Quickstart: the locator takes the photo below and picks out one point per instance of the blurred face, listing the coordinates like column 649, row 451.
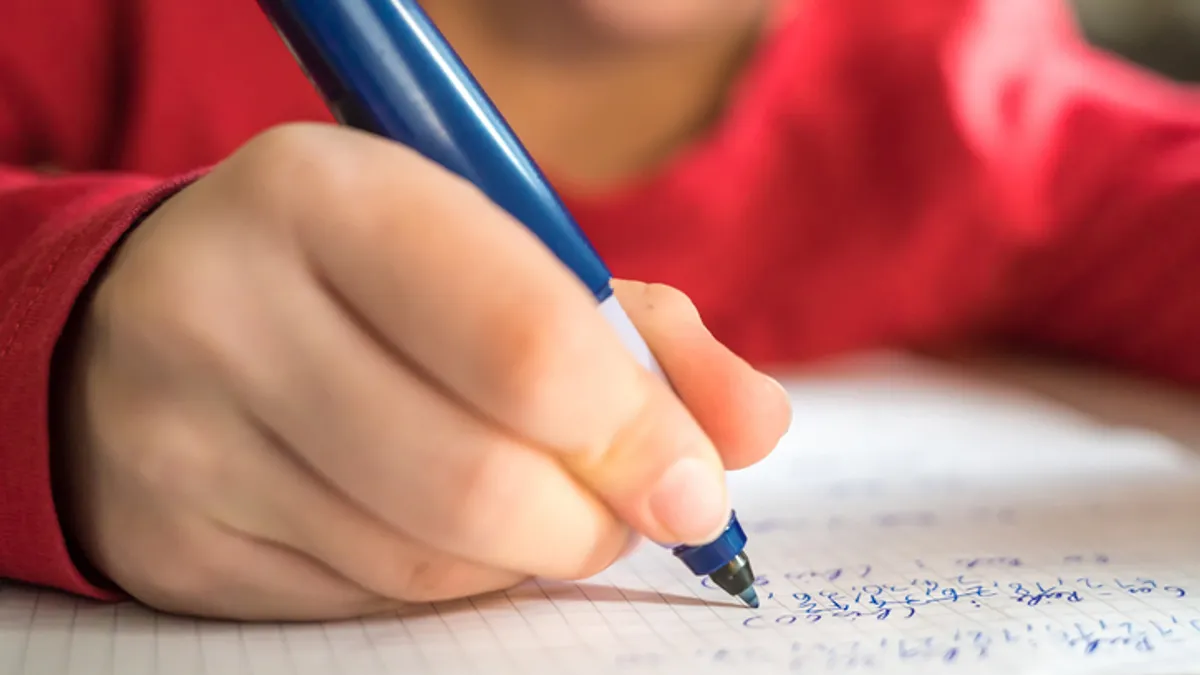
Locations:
column 665, row 19
column 601, row 90
column 531, row 22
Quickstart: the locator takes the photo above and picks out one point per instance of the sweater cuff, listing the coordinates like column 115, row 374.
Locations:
column 42, row 283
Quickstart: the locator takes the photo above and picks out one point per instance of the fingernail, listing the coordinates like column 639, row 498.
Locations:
column 689, row 501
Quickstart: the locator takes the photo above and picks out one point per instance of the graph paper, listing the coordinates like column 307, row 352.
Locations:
column 903, row 526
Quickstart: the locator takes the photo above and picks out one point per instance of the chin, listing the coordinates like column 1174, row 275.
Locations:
column 658, row 19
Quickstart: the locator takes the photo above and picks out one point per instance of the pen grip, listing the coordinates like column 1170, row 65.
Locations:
column 382, row 66
column 615, row 314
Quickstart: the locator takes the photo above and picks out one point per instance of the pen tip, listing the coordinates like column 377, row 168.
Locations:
column 750, row 597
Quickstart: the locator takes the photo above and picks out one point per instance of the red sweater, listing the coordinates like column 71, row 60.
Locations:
column 888, row 172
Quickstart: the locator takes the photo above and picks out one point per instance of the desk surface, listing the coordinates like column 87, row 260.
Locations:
column 917, row 518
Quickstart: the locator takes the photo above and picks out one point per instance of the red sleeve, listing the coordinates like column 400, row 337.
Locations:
column 56, row 232
column 1096, row 165
column 57, row 83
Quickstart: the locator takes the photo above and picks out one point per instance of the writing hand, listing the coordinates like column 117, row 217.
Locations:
column 330, row 377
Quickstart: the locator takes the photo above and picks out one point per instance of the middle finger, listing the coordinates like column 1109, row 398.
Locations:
column 407, row 453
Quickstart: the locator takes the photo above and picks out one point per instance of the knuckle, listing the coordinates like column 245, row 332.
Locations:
column 422, row 580
column 592, row 565
column 532, row 355
column 611, row 542
column 397, row 571
column 301, row 176
column 288, row 170
column 286, row 148
column 491, row 490
column 439, row 577
column 281, row 166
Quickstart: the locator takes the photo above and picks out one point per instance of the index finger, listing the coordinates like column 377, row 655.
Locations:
column 454, row 285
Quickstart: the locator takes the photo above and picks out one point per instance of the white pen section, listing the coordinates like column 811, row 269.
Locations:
column 613, row 311
column 630, row 337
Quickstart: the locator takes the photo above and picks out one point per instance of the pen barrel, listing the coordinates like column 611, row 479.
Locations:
column 382, row 66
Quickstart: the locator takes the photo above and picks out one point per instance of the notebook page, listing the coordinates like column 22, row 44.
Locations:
column 907, row 524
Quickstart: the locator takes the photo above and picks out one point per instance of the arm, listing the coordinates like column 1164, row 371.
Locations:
column 1096, row 164
column 58, row 85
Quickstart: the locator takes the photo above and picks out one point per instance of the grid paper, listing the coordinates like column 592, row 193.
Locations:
column 898, row 529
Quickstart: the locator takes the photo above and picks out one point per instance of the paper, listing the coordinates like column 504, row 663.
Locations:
column 905, row 525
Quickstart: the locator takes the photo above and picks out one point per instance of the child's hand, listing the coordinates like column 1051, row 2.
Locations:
column 331, row 377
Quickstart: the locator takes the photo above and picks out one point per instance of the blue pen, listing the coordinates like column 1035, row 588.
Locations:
column 383, row 67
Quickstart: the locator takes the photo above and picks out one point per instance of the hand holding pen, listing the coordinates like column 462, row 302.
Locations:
column 382, row 66
column 331, row 377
